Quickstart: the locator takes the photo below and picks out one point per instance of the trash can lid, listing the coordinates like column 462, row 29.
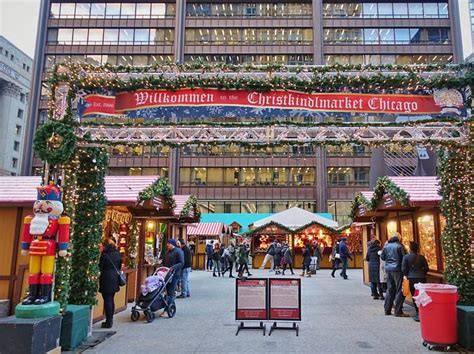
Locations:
column 437, row 288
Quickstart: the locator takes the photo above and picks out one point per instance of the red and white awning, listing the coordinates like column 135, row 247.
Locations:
column 209, row 229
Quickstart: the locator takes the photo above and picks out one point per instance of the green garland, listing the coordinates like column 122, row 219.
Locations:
column 359, row 200
column 89, row 216
column 132, row 251
column 161, row 188
column 385, row 185
column 457, row 188
column 191, row 205
column 55, row 142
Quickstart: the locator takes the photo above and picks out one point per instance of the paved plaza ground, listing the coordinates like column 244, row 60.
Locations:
column 338, row 316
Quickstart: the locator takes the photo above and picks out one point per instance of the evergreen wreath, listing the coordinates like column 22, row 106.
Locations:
column 55, row 142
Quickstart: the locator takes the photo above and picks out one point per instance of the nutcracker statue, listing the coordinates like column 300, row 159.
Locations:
column 43, row 233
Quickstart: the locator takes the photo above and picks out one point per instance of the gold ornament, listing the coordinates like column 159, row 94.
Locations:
column 55, row 141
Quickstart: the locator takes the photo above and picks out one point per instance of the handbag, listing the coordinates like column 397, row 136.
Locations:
column 122, row 279
column 406, row 287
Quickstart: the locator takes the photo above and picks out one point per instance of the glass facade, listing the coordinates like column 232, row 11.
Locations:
column 386, row 10
column 247, row 176
column 378, row 59
column 295, row 9
column 112, row 10
column 348, row 176
column 382, row 36
column 290, row 59
column 136, row 60
column 340, row 210
column 235, row 151
column 254, row 206
column 240, row 36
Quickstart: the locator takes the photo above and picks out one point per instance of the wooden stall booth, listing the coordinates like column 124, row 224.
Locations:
column 297, row 227
column 409, row 208
column 202, row 233
column 17, row 195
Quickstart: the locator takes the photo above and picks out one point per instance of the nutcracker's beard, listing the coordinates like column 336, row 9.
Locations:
column 39, row 224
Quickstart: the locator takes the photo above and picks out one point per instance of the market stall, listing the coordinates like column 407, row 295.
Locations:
column 407, row 207
column 133, row 231
column 297, row 227
column 200, row 234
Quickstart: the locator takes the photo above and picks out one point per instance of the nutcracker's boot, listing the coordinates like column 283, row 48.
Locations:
column 33, row 294
column 45, row 294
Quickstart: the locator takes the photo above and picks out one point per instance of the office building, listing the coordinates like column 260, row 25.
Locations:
column 15, row 77
column 233, row 179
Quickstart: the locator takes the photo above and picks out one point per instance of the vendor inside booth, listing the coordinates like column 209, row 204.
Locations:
column 263, row 237
column 311, row 234
column 409, row 208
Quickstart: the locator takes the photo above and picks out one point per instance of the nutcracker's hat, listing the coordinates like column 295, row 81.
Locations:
column 49, row 192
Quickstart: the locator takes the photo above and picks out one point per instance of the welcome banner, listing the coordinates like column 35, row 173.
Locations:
column 213, row 102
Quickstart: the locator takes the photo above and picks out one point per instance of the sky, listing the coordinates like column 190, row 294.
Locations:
column 18, row 23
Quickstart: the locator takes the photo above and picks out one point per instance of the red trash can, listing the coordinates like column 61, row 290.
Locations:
column 437, row 307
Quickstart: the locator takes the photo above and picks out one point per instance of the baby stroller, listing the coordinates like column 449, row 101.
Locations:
column 155, row 300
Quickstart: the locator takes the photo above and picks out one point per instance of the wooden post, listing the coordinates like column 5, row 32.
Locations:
column 141, row 255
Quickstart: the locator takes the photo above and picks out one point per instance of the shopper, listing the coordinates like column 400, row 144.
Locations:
column 243, row 260
column 185, row 271
column 216, row 256
column 230, row 251
column 110, row 264
column 287, row 259
column 317, row 253
column 345, row 256
column 392, row 254
column 306, row 261
column 414, row 267
column 335, row 258
column 269, row 256
column 222, row 258
column 209, row 252
column 277, row 258
column 373, row 260
column 174, row 259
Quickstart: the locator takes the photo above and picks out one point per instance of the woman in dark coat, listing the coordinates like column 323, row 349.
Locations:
column 374, row 269
column 287, row 259
column 110, row 262
column 306, row 261
column 277, row 258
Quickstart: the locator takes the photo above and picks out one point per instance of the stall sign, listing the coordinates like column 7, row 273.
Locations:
column 362, row 210
column 251, row 299
column 388, row 201
column 285, row 299
column 117, row 216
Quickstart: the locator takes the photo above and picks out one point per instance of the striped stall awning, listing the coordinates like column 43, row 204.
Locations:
column 210, row 229
column 180, row 201
column 367, row 195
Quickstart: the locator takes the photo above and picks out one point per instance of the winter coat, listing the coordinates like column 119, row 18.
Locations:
column 374, row 262
column 187, row 257
column 306, row 257
column 216, row 255
column 344, row 251
column 109, row 279
column 414, row 266
column 271, row 250
column 175, row 259
column 277, row 255
column 287, row 258
column 243, row 254
column 392, row 254
column 209, row 250
column 383, row 273
column 317, row 252
column 232, row 251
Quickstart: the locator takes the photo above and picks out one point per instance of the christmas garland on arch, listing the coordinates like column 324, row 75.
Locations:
column 191, row 205
column 161, row 188
column 385, row 185
column 55, row 142
column 358, row 200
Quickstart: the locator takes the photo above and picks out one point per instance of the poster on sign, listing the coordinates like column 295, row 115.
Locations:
column 285, row 299
column 251, row 299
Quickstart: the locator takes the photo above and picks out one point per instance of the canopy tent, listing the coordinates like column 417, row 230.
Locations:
column 207, row 229
column 295, row 218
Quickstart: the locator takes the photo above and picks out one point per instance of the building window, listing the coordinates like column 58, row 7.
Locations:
column 14, row 162
column 20, row 114
column 348, row 176
column 22, row 97
column 18, row 129
column 340, row 210
column 16, row 145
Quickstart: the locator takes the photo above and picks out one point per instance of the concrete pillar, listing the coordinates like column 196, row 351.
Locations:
column 378, row 168
column 180, row 23
column 318, row 32
column 321, row 180
column 456, row 33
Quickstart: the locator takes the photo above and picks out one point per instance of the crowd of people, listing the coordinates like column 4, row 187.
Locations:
column 221, row 259
column 389, row 267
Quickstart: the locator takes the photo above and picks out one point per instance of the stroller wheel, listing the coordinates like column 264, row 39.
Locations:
column 135, row 315
column 171, row 310
column 149, row 316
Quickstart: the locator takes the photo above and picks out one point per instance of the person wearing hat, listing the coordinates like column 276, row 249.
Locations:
column 186, row 270
column 174, row 258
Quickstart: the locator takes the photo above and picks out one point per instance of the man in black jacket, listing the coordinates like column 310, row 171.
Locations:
column 185, row 271
column 392, row 254
column 174, row 258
